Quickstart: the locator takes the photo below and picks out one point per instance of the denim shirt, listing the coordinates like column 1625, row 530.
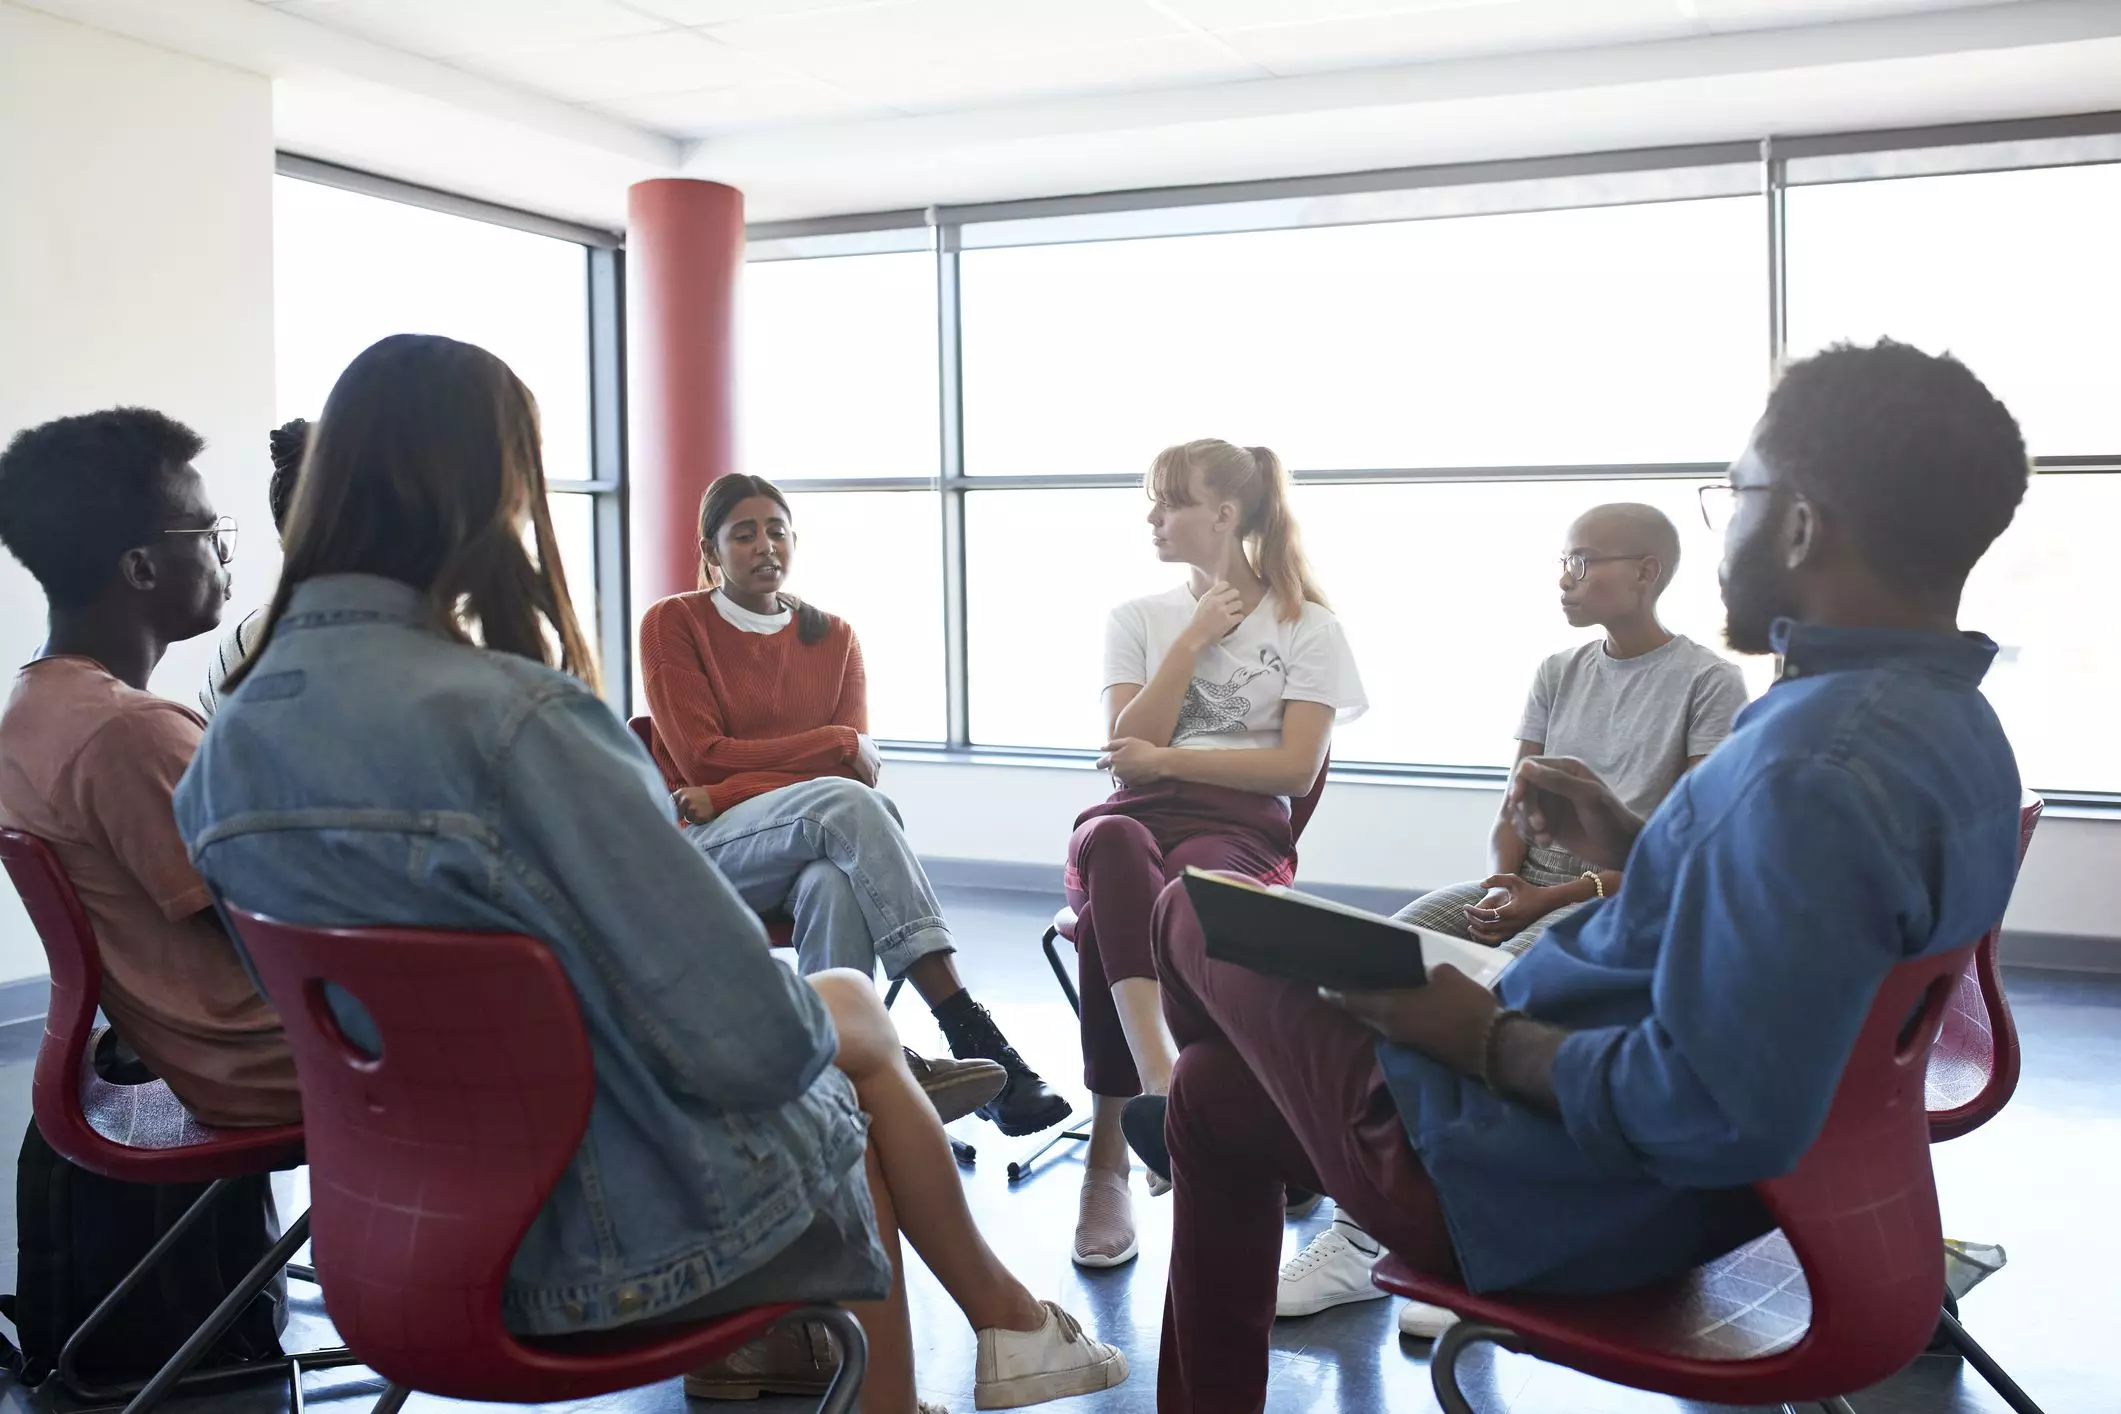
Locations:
column 371, row 771
column 1864, row 811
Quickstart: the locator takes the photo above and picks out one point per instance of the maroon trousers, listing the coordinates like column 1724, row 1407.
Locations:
column 1123, row 853
column 1273, row 1088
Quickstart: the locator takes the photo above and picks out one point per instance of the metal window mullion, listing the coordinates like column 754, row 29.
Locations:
column 1774, row 182
column 950, row 408
column 607, row 461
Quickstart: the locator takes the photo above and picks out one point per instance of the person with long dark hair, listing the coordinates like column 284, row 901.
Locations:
column 761, row 712
column 417, row 741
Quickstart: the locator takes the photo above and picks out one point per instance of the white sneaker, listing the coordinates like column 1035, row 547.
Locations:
column 1016, row 1368
column 1418, row 1320
column 1332, row 1271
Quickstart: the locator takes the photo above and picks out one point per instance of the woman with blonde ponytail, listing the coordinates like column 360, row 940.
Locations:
column 1221, row 695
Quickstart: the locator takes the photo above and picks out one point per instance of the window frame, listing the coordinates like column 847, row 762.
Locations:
column 604, row 291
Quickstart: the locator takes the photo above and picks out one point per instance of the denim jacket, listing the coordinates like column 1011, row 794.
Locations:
column 371, row 771
column 1863, row 812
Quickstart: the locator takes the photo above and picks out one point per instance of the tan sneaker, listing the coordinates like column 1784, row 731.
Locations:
column 798, row 1358
column 1016, row 1368
column 957, row 1087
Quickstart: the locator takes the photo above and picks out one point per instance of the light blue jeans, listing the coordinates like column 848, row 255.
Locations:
column 832, row 854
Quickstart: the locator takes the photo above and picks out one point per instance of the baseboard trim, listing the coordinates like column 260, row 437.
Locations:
column 2058, row 952
column 25, row 999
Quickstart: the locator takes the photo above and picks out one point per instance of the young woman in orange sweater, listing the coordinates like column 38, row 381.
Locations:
column 761, row 716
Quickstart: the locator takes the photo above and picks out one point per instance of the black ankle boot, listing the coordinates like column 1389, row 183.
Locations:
column 1025, row 1105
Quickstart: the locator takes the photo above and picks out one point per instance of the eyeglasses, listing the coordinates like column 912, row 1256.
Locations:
column 1719, row 502
column 224, row 533
column 1577, row 566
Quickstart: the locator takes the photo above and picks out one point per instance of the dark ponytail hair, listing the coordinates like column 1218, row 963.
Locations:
column 722, row 497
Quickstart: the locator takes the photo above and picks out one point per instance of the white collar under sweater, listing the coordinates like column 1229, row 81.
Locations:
column 748, row 620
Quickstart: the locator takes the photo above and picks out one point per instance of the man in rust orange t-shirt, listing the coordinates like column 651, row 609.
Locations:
column 108, row 514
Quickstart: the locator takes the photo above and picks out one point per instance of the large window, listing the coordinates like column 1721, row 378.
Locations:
column 838, row 382
column 350, row 268
column 2014, row 272
column 1612, row 334
column 1454, row 369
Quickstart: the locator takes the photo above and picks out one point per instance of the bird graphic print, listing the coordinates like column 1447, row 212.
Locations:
column 1211, row 707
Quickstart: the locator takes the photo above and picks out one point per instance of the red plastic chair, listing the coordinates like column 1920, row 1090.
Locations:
column 429, row 1161
column 136, row 1134
column 1973, row 1073
column 1063, row 927
column 1842, row 1296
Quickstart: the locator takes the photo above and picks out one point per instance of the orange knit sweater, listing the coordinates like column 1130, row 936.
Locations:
column 745, row 713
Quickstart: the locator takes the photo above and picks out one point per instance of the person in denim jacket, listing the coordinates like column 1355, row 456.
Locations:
column 398, row 751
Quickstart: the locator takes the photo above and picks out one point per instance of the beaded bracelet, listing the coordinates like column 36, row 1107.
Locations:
column 1487, row 1042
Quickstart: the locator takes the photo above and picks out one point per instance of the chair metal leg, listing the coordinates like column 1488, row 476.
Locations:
column 854, row 1356
column 224, row 1316
column 1443, row 1361
column 1835, row 1404
column 1981, row 1360
column 392, row 1401
column 1060, row 973
column 1019, row 1168
column 891, row 995
column 301, row 1273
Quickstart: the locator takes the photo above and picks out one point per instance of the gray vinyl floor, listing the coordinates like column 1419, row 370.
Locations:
column 2041, row 1179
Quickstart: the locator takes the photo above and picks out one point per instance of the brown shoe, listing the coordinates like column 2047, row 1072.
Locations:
column 957, row 1087
column 796, row 1359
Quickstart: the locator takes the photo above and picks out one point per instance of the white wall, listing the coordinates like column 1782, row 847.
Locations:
column 135, row 267
column 1410, row 838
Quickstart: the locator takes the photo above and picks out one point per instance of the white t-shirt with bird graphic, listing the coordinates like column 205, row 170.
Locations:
column 1240, row 684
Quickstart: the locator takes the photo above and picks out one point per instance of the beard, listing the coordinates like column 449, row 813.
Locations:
column 1756, row 592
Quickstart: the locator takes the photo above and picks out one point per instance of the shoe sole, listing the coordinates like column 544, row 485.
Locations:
column 1018, row 1128
column 1097, row 1261
column 1297, row 1212
column 1315, row 1305
column 967, row 1094
column 1051, row 1384
column 753, row 1389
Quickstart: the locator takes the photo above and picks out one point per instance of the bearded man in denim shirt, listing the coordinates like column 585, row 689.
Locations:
column 1664, row 1049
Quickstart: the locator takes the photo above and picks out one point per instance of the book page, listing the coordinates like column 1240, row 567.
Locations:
column 1478, row 961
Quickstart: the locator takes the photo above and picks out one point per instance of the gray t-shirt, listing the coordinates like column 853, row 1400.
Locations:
column 1636, row 721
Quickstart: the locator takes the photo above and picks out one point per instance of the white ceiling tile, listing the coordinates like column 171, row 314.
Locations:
column 843, row 43
column 1781, row 14
column 443, row 29
column 1515, row 27
column 634, row 65
column 1171, row 62
column 715, row 12
column 1244, row 14
column 711, row 112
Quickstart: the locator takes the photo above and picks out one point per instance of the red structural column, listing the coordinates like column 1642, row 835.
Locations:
column 684, row 252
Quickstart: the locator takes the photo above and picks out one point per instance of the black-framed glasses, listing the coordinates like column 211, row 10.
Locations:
column 1576, row 566
column 224, row 533
column 1719, row 502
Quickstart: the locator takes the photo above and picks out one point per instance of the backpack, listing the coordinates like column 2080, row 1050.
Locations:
column 79, row 1233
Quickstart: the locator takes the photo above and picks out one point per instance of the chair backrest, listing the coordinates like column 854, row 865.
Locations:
column 1301, row 811
column 77, row 986
column 430, row 1160
column 1973, row 1070
column 645, row 730
column 1860, row 1208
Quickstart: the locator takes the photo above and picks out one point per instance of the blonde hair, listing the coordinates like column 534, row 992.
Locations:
column 424, row 460
column 1254, row 480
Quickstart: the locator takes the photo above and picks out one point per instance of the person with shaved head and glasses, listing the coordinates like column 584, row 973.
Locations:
column 1642, row 705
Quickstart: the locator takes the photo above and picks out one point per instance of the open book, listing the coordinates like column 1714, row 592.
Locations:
column 1274, row 929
